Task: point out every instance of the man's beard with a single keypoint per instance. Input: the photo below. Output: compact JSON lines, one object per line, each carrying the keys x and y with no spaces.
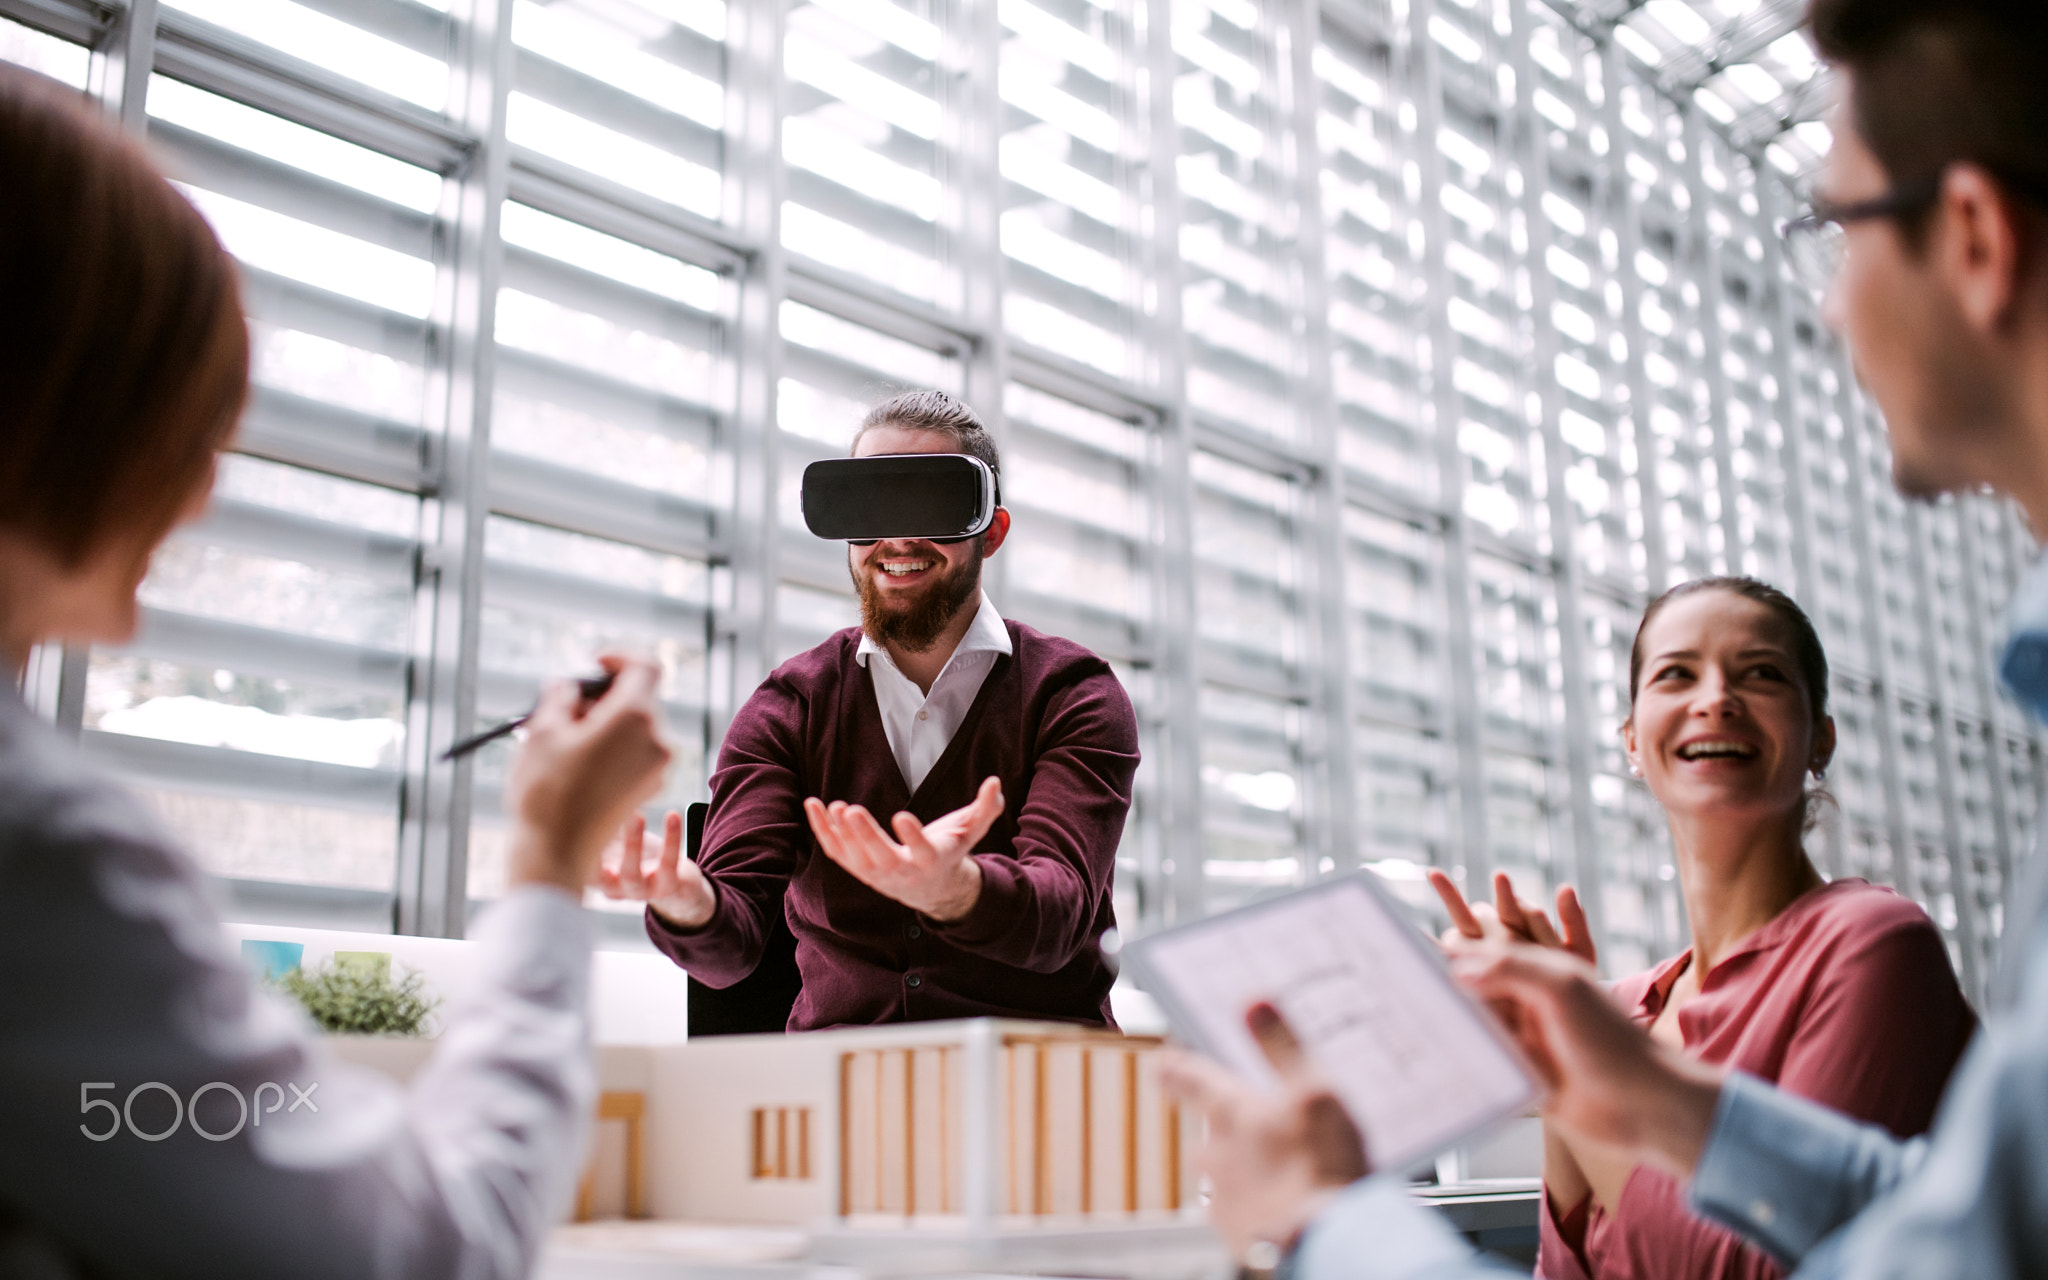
{"x":916,"y":623}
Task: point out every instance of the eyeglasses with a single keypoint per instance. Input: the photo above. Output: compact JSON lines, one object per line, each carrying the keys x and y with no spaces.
{"x":1816,"y":243}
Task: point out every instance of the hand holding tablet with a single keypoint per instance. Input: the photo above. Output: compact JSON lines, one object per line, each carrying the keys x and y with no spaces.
{"x":1416,"y":1061}
{"x":1273,"y":1159}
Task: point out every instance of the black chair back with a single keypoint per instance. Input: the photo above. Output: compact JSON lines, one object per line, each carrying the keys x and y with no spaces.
{"x":759,"y":1002}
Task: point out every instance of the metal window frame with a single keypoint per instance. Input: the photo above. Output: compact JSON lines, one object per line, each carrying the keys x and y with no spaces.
{"x":750,"y":553}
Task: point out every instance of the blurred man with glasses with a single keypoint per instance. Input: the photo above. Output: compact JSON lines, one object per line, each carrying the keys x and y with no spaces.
{"x":1929,"y":233}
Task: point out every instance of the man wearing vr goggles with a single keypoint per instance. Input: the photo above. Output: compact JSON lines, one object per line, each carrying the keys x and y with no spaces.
{"x":933,"y":799}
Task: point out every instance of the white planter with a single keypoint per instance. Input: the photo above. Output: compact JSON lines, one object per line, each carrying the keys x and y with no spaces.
{"x":396,"y":1056}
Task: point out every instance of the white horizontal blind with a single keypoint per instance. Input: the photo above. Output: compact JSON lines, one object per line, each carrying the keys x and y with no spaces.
{"x":1080,"y":563}
{"x":263,"y":705}
{"x":1067,"y":161}
{"x":862,"y":141}
{"x":1566,"y":368}
{"x":632,"y":95}
{"x":1248,"y":582}
{"x":1238,"y":208}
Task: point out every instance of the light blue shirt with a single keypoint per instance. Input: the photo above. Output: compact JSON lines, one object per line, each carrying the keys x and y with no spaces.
{"x":1826,"y":1194}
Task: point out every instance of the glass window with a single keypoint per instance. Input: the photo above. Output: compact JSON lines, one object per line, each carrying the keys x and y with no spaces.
{"x":862,"y":141}
{"x":1529,"y":265}
{"x":392,"y":47}
{"x":1232,"y":106}
{"x":1079,"y":484}
{"x":1066,"y":156}
{"x":1377,"y":320}
{"x":55,"y":58}
{"x":553,"y":601}
{"x":631,"y":93}
{"x":611,"y":383}
{"x":263,"y":705}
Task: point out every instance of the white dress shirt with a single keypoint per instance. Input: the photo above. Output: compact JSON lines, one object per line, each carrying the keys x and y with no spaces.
{"x":920,"y":725}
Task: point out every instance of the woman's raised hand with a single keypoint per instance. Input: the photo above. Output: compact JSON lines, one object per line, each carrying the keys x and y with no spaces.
{"x":1508,"y":920}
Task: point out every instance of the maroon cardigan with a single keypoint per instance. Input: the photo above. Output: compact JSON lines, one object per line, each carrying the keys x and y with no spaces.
{"x":1051,"y":721}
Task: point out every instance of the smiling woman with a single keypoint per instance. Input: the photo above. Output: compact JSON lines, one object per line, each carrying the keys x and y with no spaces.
{"x":1839,"y":991}
{"x":1796,"y":662}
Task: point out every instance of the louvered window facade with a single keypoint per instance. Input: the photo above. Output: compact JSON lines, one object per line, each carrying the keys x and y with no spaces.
{"x":1361,"y":367}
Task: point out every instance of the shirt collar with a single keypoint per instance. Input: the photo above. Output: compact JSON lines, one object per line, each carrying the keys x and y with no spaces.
{"x":2024,"y":668}
{"x":1771,"y":933}
{"x":986,"y":634}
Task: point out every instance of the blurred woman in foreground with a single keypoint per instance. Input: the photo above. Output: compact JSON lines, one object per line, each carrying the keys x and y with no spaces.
{"x":1840,"y":991}
{"x":142,"y":1076}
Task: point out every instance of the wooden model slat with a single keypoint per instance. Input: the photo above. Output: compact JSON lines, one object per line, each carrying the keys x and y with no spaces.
{"x":1173,"y":1157}
{"x":845,"y":1135}
{"x":910,"y":1133}
{"x":1131,"y":1132}
{"x":1041,"y":1125}
{"x":1087,"y":1132}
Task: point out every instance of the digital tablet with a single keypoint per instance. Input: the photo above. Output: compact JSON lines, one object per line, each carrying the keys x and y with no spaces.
{"x":1418,"y":1062}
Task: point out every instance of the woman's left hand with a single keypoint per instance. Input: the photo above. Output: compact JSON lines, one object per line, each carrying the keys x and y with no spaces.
{"x":1508,"y":920}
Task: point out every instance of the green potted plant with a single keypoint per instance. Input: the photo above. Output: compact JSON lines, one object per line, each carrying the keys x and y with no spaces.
{"x":354,"y":999}
{"x":371,"y":1018}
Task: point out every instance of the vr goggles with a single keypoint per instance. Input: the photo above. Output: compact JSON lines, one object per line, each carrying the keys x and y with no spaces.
{"x":936,"y":497}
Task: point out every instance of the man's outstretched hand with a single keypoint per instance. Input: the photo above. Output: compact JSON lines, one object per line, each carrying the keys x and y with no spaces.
{"x":931,"y":870}
{"x":1273,"y":1160}
{"x":1607,"y":1081}
{"x":584,"y":766}
{"x":673,"y":886}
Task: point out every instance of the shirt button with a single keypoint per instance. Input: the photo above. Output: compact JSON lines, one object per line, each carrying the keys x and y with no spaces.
{"x":924,"y":715}
{"x":1763,"y":1212}
{"x":914,"y":932}
{"x":913,"y":981}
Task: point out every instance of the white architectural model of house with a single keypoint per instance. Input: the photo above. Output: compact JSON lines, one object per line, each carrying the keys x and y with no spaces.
{"x":984,"y":1121}
{"x":932,"y":1145}
{"x":982,"y":1140}
{"x":981,"y":1145}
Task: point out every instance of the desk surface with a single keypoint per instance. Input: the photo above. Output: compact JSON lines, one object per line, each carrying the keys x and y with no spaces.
{"x":619,"y":1250}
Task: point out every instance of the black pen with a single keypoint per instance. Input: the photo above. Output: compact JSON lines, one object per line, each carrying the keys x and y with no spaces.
{"x":592,"y":687}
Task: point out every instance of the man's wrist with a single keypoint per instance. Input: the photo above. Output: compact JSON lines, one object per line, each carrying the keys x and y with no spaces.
{"x":1680,"y":1115}
{"x":1313,"y":1207}
{"x":965,"y":892}
{"x":685,"y":917}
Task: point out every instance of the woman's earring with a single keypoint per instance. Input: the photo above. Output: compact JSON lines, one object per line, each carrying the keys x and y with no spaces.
{"x":1634,"y":770}
{"x":1820,"y":771}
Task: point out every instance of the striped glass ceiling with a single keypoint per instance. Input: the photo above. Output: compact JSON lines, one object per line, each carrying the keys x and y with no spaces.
{"x":1746,"y":63}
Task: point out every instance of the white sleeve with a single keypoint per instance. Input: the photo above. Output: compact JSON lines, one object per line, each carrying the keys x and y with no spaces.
{"x":121,"y":993}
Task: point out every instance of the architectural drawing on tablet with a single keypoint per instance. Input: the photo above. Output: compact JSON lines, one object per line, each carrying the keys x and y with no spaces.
{"x":1410,"y":1056}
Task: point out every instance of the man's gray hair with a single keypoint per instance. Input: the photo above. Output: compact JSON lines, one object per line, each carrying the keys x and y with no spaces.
{"x":935,"y":411}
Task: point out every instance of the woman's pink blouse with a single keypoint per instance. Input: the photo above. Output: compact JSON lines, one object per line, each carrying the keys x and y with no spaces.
{"x":1848,"y":998}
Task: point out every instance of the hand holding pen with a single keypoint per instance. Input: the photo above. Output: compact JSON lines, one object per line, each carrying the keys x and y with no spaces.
{"x":584,"y":768}
{"x":591,"y":687}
